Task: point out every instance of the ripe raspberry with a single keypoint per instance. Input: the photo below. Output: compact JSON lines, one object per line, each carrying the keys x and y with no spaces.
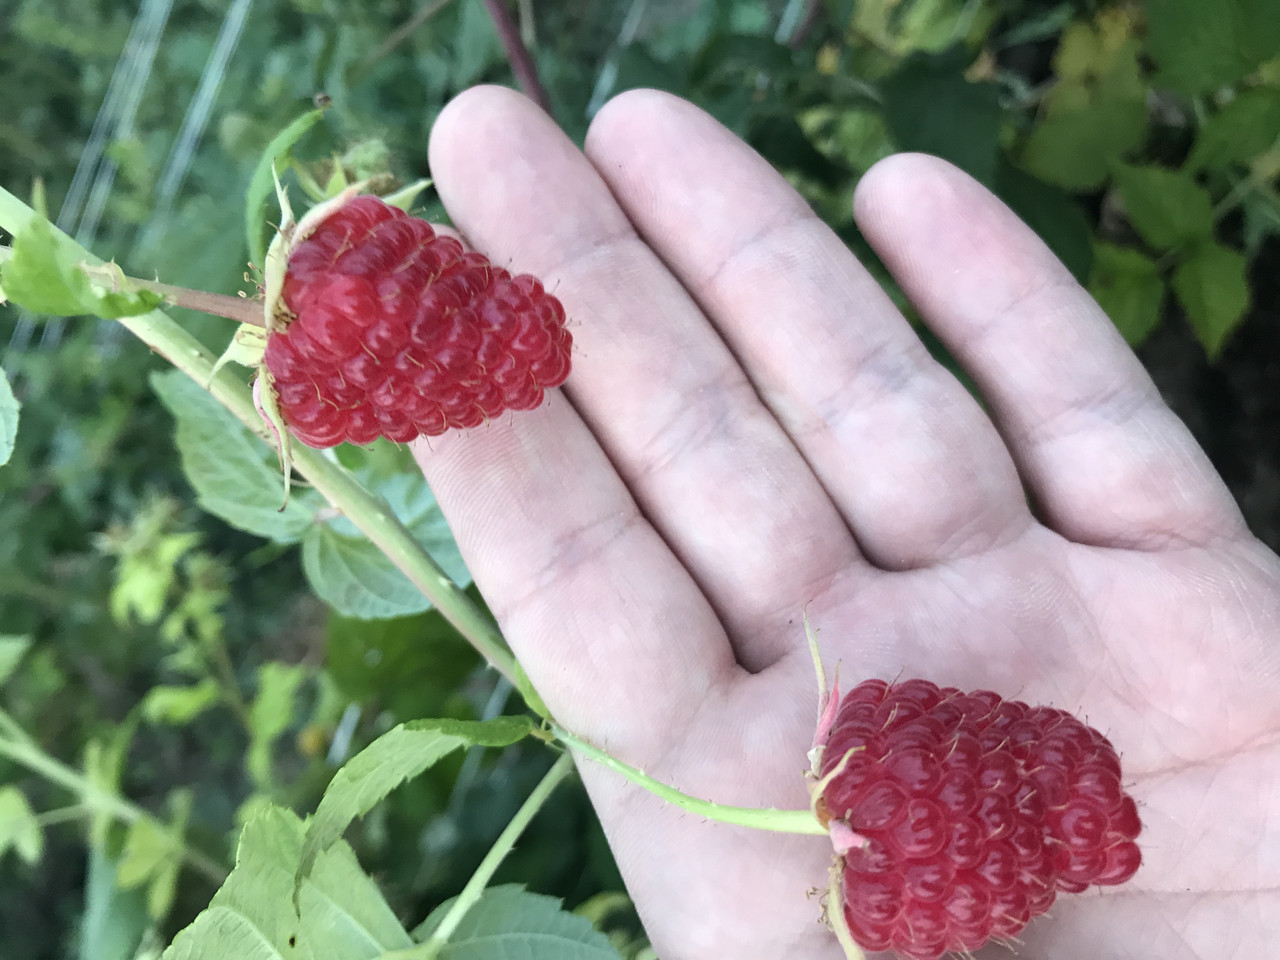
{"x":969,"y":813}
{"x":383,"y":328}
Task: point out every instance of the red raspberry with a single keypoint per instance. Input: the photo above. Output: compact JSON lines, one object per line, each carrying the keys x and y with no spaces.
{"x":969,"y":814}
{"x":382,"y":328}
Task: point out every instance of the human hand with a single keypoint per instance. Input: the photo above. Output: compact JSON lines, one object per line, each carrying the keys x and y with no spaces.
{"x":752,"y":431}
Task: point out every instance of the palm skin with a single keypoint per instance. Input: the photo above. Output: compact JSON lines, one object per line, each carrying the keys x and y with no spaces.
{"x":753,"y":433}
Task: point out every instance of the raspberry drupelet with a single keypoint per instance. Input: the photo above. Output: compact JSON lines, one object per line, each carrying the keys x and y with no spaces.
{"x":385,"y":328}
{"x":968,"y":814}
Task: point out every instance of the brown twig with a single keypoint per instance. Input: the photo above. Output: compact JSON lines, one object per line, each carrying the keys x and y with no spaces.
{"x":522,"y":64}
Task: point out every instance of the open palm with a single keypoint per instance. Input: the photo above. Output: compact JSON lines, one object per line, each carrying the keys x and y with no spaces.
{"x":753,"y":432}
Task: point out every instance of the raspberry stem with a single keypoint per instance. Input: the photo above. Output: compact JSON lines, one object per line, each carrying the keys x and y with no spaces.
{"x":772,"y":819}
{"x":220,"y":305}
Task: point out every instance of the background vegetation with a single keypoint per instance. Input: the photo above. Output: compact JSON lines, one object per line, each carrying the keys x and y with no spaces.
{"x":171,"y":671}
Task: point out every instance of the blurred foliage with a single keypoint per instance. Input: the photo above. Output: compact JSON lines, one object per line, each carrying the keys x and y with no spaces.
{"x":163,"y":654}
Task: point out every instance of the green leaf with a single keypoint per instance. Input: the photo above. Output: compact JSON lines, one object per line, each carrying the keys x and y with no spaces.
{"x":1213,"y":288}
{"x":412,"y":666}
{"x":45,"y":277}
{"x":930,"y":107}
{"x":1076,"y":148}
{"x":262,"y":184}
{"x":235,"y":475}
{"x":356,"y":578}
{"x":147,"y":846}
{"x":179,"y":705}
{"x":270,"y":715}
{"x":115,"y":919}
{"x":1167,"y":207}
{"x":1051,"y":213}
{"x":1128,"y":286}
{"x":340,"y":913}
{"x":475,"y":45}
{"x":152,"y":855}
{"x":9,"y":407}
{"x":1244,"y":128}
{"x":509,"y":923}
{"x":1201,"y":45}
{"x":12,"y":649}
{"x":19,"y":829}
{"x":398,"y":755}
{"x":103,"y":766}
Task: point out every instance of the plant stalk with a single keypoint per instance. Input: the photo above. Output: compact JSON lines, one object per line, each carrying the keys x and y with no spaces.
{"x":431,"y":947}
{"x":244,"y":309}
{"x":777,"y":821}
{"x":92,"y":796}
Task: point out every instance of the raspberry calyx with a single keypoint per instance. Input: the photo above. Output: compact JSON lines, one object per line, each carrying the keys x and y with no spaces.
{"x":957,"y":817}
{"x":377,"y":326}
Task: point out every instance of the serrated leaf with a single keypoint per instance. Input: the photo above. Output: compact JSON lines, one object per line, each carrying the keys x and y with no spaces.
{"x":262,"y":183}
{"x":1167,"y":207}
{"x":1213,"y":287}
{"x":179,"y":705}
{"x":1128,"y":286}
{"x":9,"y":408}
{"x":398,"y":755}
{"x":1244,"y":128}
{"x":12,"y":649}
{"x":270,"y":715}
{"x":509,"y":923}
{"x":234,"y":475}
{"x":929,"y":106}
{"x":19,"y":829}
{"x":356,"y":578}
{"x":340,"y":914}
{"x":1201,"y":45}
{"x":1075,"y":149}
{"x":43,"y":276}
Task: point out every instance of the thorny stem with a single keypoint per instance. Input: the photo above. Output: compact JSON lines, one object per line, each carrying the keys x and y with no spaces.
{"x":522,"y":64}
{"x":369,"y":512}
{"x":220,"y":305}
{"x":777,"y":821}
{"x":29,"y":754}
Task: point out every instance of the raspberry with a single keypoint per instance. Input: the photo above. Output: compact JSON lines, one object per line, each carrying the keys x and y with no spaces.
{"x":969,"y":814}
{"x":382,"y":328}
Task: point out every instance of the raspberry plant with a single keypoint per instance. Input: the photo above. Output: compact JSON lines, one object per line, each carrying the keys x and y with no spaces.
{"x":900,"y":769}
{"x":1156,"y":120}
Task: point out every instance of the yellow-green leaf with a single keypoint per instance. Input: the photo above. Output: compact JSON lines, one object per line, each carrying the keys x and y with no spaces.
{"x":1212,"y":286}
